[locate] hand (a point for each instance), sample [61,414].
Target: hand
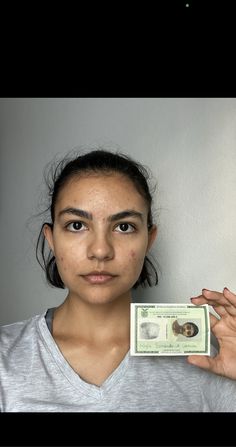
[224,329]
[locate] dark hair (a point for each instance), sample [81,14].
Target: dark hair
[94,161]
[196,330]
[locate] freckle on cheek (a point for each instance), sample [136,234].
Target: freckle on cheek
[132,254]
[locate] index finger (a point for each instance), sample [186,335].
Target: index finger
[222,303]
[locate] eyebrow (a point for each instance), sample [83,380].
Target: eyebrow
[86,215]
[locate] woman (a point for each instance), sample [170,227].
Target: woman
[75,357]
[188,329]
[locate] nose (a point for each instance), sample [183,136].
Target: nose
[100,247]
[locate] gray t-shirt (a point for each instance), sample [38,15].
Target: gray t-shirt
[35,377]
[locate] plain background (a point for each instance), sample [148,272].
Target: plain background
[190,146]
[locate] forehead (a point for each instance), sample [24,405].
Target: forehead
[93,191]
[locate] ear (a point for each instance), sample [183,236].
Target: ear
[48,234]
[152,234]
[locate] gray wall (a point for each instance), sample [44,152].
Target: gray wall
[190,144]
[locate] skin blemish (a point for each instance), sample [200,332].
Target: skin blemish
[132,254]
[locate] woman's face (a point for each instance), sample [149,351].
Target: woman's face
[100,236]
[188,329]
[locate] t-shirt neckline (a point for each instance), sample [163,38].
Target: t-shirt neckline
[86,388]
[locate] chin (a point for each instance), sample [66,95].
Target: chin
[99,300]
[102,299]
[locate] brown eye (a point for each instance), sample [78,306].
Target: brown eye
[75,226]
[125,228]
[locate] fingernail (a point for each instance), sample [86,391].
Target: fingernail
[226,288]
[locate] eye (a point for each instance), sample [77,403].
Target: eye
[125,228]
[76,226]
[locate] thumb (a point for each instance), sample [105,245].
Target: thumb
[202,361]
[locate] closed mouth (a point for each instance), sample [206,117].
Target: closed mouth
[100,272]
[98,277]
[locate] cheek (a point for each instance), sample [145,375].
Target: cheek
[136,258]
[67,258]
[61,262]
[133,255]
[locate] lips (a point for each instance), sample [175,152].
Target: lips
[98,277]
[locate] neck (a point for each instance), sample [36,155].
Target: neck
[93,322]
